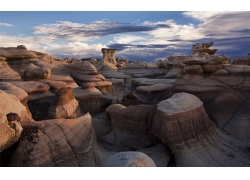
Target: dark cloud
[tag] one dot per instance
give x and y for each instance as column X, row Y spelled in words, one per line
column 92, row 30
column 241, row 31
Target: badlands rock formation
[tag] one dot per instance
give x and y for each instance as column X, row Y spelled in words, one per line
column 109, row 55
column 57, row 142
column 182, row 124
column 182, row 111
column 12, row 114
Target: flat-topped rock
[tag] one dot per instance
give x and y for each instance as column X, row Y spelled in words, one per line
column 212, row 60
column 146, row 81
column 16, row 53
column 179, row 103
column 81, row 93
column 148, row 93
column 36, row 90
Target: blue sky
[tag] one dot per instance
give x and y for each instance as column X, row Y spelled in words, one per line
column 137, row 35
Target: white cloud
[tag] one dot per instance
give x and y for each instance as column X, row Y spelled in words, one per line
column 124, row 39
column 6, row 24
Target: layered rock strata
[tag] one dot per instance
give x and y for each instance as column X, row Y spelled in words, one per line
column 58, row 142
column 182, row 124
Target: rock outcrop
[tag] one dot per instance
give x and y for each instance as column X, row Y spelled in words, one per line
column 148, row 93
column 64, row 106
column 130, row 126
column 58, row 142
column 18, row 92
column 109, row 55
column 33, row 72
column 182, row 124
column 12, row 114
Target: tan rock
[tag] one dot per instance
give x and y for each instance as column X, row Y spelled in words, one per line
column 56, row 85
column 64, row 106
column 137, row 65
column 35, row 90
column 16, row 53
column 34, row 72
column 58, row 142
column 18, row 92
column 12, row 114
column 109, row 55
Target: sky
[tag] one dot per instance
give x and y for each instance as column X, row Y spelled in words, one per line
column 136, row 35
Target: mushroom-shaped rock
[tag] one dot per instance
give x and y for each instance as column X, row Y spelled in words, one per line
column 16, row 53
column 182, row 124
column 57, row 142
column 129, row 159
column 12, row 113
column 130, row 126
column 109, row 55
column 34, row 72
column 64, row 106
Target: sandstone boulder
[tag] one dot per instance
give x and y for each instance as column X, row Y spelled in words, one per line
column 34, row 72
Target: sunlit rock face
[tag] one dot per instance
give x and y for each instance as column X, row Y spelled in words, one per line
column 57, row 142
column 109, row 55
column 182, row 124
column 64, row 106
column 12, row 114
column 32, row 72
